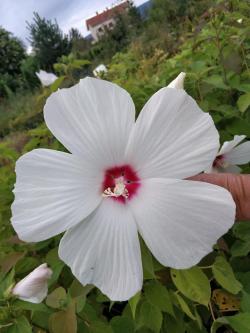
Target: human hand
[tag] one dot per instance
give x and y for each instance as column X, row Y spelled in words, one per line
column 237, row 185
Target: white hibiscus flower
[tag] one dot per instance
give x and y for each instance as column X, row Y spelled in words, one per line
column 34, row 287
column 231, row 154
column 45, row 78
column 122, row 177
column 178, row 82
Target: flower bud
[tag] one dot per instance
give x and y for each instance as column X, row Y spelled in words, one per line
column 34, row 287
column 45, row 78
column 178, row 82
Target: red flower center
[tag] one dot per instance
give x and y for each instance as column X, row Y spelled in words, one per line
column 121, row 182
column 219, row 162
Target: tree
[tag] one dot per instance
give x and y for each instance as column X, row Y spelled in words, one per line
column 48, row 41
column 12, row 52
column 74, row 34
column 29, row 67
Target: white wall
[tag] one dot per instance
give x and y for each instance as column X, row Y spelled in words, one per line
column 95, row 30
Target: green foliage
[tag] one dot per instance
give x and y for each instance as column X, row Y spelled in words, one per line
column 192, row 283
column 29, row 67
column 212, row 47
column 12, row 53
column 47, row 41
column 224, row 275
column 72, row 69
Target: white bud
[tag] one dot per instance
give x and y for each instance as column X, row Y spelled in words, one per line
column 99, row 70
column 178, row 82
column 46, row 78
column 34, row 287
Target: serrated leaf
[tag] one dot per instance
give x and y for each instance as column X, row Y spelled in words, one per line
column 192, row 283
column 224, row 275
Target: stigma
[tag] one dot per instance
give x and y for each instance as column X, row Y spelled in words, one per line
column 119, row 190
column 120, row 183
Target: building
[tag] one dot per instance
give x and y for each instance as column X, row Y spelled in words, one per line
column 99, row 23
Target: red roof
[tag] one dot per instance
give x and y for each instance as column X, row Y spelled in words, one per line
column 107, row 14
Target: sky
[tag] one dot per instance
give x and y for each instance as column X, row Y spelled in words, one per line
column 68, row 13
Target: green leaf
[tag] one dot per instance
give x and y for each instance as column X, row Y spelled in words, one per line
column 224, row 275
column 193, row 283
column 57, row 298
column 32, row 306
column 236, row 126
column 244, row 102
column 26, row 265
column 216, row 81
column 133, row 303
column 10, row 260
column 241, row 230
column 56, row 265
column 244, row 278
column 239, row 322
column 41, row 319
column 245, row 302
column 158, row 295
column 184, row 306
column 151, row 317
column 172, row 325
column 64, row 321
column 122, row 325
column 77, row 289
column 240, row 248
column 147, row 262
column 20, row 325
column 100, row 327
column 7, row 284
column 55, row 85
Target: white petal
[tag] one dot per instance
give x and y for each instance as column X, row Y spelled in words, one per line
column 172, row 137
column 92, row 119
column 53, row 192
column 104, row 250
column 229, row 145
column 46, row 78
column 34, row 287
column 181, row 220
column 240, row 154
column 178, row 82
